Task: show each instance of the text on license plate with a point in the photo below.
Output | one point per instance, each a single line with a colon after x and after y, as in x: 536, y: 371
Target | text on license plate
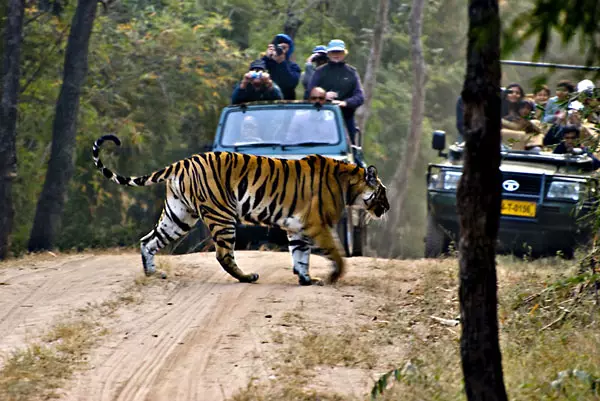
x: 518, y: 208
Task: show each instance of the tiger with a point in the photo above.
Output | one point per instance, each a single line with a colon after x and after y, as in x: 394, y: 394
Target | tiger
x: 305, y: 197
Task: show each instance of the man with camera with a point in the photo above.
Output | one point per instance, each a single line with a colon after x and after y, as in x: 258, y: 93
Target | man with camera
x: 284, y: 72
x: 342, y: 83
x: 256, y: 85
x: 314, y: 61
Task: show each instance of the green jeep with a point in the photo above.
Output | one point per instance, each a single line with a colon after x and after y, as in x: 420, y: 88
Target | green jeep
x: 291, y: 130
x: 547, y: 201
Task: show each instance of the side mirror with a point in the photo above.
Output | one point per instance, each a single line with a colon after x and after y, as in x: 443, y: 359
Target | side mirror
x: 438, y: 142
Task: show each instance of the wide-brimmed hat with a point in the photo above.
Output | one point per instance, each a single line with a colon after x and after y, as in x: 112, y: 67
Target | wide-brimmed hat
x: 336, y: 45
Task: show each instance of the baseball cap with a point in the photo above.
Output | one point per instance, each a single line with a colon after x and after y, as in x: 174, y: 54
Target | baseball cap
x: 258, y: 65
x: 336, y: 45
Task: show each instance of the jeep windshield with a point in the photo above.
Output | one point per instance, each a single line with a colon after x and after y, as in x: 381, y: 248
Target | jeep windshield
x: 286, y: 127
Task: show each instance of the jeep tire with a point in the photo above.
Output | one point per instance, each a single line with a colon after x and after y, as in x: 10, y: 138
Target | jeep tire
x: 436, y: 241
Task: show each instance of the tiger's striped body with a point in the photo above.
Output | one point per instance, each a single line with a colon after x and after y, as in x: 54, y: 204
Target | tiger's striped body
x: 304, y: 197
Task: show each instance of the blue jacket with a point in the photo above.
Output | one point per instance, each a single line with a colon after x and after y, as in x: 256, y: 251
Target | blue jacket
x: 251, y: 94
x: 552, y: 107
x: 287, y: 73
x: 343, y: 79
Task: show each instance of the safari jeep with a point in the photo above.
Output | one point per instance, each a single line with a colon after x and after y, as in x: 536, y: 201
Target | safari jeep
x: 291, y: 130
x: 547, y: 201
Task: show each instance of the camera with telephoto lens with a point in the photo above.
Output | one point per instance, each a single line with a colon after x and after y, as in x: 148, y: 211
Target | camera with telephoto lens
x: 256, y: 75
x: 320, y: 58
x: 278, y: 50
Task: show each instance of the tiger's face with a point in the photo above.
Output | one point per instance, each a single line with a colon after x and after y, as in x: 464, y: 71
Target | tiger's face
x: 374, y: 194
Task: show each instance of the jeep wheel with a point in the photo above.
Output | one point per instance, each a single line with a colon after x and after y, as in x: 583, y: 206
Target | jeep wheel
x: 436, y: 241
x: 345, y: 233
x: 360, y: 235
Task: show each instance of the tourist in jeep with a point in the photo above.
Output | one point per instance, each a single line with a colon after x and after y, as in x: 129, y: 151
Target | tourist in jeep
x: 510, y: 100
x: 342, y: 83
x: 541, y: 94
x: 256, y: 85
x: 314, y: 61
x: 284, y: 72
x: 570, y: 141
x: 558, y: 102
x: 519, y: 130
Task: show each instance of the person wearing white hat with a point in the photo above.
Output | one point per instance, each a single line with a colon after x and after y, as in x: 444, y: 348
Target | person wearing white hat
x: 585, y: 85
x: 341, y: 81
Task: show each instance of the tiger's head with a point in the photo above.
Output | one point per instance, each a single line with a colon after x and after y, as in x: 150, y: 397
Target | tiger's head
x: 369, y: 192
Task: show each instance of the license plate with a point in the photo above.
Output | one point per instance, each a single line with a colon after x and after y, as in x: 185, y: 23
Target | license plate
x: 518, y: 208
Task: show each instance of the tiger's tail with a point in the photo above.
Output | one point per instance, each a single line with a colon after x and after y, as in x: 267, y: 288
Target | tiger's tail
x: 154, y: 178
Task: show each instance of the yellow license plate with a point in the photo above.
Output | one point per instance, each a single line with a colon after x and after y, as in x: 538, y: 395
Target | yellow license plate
x: 518, y: 208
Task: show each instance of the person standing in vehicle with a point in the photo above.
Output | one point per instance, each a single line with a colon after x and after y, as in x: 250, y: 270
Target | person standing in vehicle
x: 342, y: 83
x: 558, y: 102
x: 256, y: 85
x: 284, y: 72
x: 316, y: 59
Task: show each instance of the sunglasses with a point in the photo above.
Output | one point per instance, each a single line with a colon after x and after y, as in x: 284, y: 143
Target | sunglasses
x: 317, y: 98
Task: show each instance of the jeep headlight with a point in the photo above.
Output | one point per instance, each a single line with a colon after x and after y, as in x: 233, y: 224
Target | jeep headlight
x: 565, y: 190
x: 449, y: 180
x: 434, y: 180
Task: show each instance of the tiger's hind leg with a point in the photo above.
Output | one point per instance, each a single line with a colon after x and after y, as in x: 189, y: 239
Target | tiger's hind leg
x: 175, y: 222
x: 300, y: 250
x: 325, y: 238
x: 223, y: 233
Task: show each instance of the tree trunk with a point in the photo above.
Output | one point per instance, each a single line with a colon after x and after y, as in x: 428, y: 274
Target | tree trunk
x: 413, y: 142
x: 8, y: 123
x: 370, y: 77
x: 478, y: 204
x: 292, y: 24
x: 48, y: 216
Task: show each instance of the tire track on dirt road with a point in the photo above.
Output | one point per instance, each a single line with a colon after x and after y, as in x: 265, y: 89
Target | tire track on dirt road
x: 32, y: 297
x: 154, y: 339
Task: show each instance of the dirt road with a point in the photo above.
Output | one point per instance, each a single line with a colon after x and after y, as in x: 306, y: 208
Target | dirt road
x: 197, y: 335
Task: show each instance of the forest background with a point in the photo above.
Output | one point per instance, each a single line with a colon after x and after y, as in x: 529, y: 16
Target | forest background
x: 161, y: 71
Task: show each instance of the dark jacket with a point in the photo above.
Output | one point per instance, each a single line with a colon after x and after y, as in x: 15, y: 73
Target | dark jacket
x: 343, y: 79
x: 287, y: 73
x: 251, y: 94
x: 556, y: 133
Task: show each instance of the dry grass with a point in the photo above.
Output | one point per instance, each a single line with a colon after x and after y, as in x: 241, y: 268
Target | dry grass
x: 37, y: 371
x: 533, y: 355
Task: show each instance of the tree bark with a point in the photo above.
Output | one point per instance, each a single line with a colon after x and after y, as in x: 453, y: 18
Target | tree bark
x: 8, y: 123
x: 49, y: 212
x: 478, y: 204
x: 370, y: 77
x: 413, y: 142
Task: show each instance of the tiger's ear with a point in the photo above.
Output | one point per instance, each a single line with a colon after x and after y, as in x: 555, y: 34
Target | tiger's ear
x: 371, y: 175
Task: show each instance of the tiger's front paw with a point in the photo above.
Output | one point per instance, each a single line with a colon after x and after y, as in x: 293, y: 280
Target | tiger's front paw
x: 249, y: 278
